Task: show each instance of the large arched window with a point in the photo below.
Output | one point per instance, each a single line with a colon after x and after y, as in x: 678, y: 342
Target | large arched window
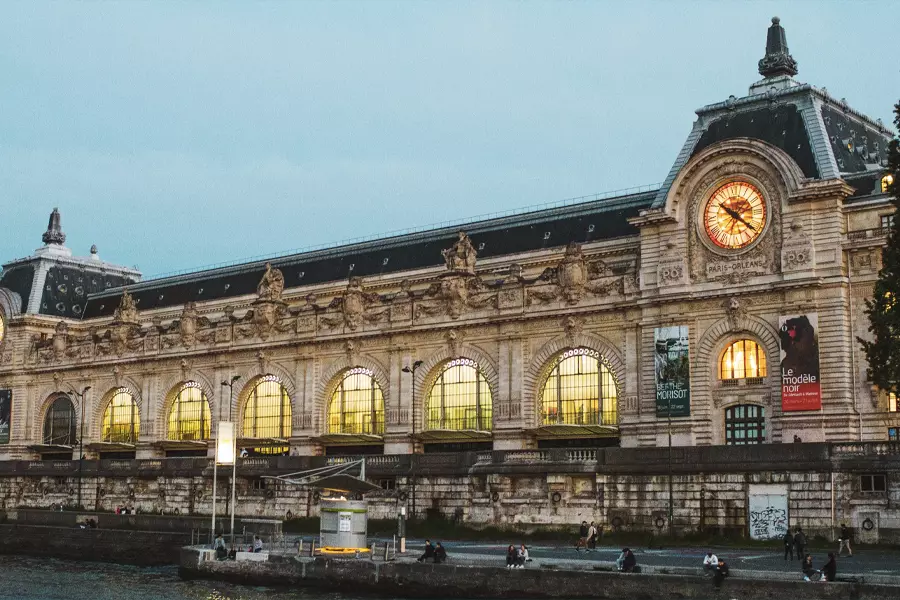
x: 357, y: 404
x: 742, y: 360
x: 460, y: 398
x: 189, y: 416
x: 59, y: 423
x: 267, y: 413
x: 745, y: 424
x: 121, y: 419
x: 2, y: 327
x: 580, y: 390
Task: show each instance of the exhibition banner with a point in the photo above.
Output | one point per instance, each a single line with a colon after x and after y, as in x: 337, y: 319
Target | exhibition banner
x: 673, y: 371
x: 5, y: 415
x: 800, y: 388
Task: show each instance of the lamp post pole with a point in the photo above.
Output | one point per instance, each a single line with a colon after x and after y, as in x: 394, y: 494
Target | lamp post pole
x: 412, y: 412
x: 81, y: 398
x: 230, y: 385
x: 671, y: 503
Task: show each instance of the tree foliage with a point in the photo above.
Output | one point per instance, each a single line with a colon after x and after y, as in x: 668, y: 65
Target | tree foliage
x: 883, y: 310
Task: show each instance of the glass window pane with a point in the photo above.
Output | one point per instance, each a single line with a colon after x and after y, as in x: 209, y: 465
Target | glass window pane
x: 745, y: 424
x: 59, y: 423
x: 460, y: 398
x: 121, y: 419
x: 743, y: 359
x: 357, y: 404
x: 189, y: 417
x: 267, y: 413
x: 580, y: 390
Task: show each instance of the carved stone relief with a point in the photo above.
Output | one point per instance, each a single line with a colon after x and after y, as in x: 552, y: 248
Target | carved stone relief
x: 356, y: 306
x: 574, y: 278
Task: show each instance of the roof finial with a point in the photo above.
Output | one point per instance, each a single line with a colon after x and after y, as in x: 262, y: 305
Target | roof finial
x: 778, y: 60
x: 54, y: 233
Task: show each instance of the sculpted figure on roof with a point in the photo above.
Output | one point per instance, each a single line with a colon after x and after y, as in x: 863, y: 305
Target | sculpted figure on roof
x: 127, y: 311
x: 272, y: 284
x: 461, y: 256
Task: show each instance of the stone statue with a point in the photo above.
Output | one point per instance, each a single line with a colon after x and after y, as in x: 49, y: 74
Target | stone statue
x: 572, y: 273
x: 272, y: 284
x: 54, y: 233
x: 127, y: 311
x: 461, y: 256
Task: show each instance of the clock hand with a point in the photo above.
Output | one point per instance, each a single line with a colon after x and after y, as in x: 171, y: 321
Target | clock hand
x: 736, y: 215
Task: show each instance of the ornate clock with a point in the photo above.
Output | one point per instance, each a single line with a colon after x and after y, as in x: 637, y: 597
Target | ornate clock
x: 734, y: 215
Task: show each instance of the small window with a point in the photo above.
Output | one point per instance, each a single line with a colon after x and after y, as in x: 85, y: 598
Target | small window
x: 887, y: 221
x: 886, y: 182
x: 387, y: 484
x: 892, y: 435
x: 872, y: 483
x: 745, y: 424
x: 258, y: 485
x: 892, y: 402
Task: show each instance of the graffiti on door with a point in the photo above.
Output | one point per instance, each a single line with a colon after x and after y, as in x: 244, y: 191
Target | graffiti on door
x: 768, y: 512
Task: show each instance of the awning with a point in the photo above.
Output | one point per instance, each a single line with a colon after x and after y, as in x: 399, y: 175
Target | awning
x: 347, y: 439
x: 347, y: 484
x: 110, y: 447
x: 563, y: 430
x: 182, y: 444
x: 453, y: 435
x: 261, y: 442
x: 48, y: 448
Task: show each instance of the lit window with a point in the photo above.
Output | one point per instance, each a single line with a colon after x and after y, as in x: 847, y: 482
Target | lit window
x: 189, y: 415
x: 460, y: 398
x: 267, y: 413
x: 892, y: 402
x: 2, y: 327
x: 886, y: 182
x: 580, y: 390
x: 745, y: 424
x: 743, y: 359
x: 121, y: 419
x: 892, y: 434
x: 887, y: 221
x: 872, y: 483
x: 59, y: 423
x: 357, y: 404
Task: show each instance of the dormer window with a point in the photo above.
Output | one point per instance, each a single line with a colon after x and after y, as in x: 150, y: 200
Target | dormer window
x: 886, y: 182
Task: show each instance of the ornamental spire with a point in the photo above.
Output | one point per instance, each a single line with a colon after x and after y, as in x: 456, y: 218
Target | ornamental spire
x: 54, y: 233
x: 778, y: 60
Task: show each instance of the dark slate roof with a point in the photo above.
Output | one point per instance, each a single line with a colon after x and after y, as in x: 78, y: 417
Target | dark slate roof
x: 66, y: 289
x: 856, y: 148
x: 550, y: 228
x: 19, y: 279
x: 781, y: 126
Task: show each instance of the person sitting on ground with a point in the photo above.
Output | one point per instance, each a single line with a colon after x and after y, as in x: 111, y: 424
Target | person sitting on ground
x: 582, y: 537
x: 221, y: 550
x: 440, y: 554
x: 257, y: 544
x: 92, y: 523
x: 429, y: 552
x: 710, y: 562
x: 829, y: 571
x: 630, y: 562
x: 621, y: 560
x: 720, y: 573
x: 511, y: 556
x: 807, y: 567
x: 523, y: 555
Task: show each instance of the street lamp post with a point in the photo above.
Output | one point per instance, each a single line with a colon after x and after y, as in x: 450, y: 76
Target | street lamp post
x: 671, y: 503
x: 80, y: 397
x: 230, y: 385
x: 412, y: 412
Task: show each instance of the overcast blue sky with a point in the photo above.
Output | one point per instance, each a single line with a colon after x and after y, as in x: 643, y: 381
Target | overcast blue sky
x: 177, y: 134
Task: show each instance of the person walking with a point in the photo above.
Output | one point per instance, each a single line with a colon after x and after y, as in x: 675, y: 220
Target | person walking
x: 592, y: 537
x: 582, y: 537
x: 800, y: 543
x: 844, y: 541
x: 788, y: 545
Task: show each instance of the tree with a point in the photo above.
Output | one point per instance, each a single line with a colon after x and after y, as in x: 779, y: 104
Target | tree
x: 883, y: 352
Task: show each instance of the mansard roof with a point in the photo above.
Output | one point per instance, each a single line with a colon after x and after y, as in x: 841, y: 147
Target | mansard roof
x: 588, y: 221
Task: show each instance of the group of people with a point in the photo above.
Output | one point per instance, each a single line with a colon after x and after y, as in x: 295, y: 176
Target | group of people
x: 587, y: 537
x: 516, y: 557
x: 796, y: 544
x: 124, y: 510
x: 222, y: 552
x: 627, y: 563
x: 436, y: 553
x: 715, y: 566
x: 828, y: 570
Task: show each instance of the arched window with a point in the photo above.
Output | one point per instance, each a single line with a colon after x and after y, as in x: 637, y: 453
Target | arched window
x: 745, y: 424
x: 743, y: 359
x: 189, y: 415
x: 460, y: 398
x: 357, y: 404
x: 886, y: 182
x: 580, y: 390
x: 2, y: 327
x: 121, y: 419
x: 59, y: 423
x: 267, y: 413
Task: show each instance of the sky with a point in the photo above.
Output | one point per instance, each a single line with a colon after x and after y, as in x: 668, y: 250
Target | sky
x: 175, y: 135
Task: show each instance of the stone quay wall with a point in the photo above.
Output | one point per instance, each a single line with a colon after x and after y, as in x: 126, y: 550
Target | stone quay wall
x: 415, y: 580
x: 621, y: 488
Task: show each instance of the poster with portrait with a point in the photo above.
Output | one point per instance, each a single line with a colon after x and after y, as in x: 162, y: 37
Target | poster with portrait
x: 5, y: 415
x: 672, y: 371
x: 799, y: 337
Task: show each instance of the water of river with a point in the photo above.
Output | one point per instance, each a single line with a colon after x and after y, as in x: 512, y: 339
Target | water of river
x: 23, y: 578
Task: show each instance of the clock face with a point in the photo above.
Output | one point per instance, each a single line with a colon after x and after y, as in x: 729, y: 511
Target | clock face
x: 735, y: 215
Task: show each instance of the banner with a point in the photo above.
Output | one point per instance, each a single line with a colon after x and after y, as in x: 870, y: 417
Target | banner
x: 673, y: 371
x: 800, y: 388
x: 5, y: 415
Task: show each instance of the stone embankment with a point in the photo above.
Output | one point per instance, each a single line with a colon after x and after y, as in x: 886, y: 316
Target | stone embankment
x: 411, y: 579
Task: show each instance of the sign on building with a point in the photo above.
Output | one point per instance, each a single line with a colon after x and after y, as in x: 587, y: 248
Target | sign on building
x: 800, y: 387
x: 345, y: 521
x: 5, y: 415
x: 767, y: 511
x: 673, y: 371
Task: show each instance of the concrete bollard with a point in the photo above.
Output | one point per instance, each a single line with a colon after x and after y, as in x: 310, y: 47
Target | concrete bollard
x: 373, y: 551
x: 300, y: 546
x: 312, y: 548
x: 386, y: 547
